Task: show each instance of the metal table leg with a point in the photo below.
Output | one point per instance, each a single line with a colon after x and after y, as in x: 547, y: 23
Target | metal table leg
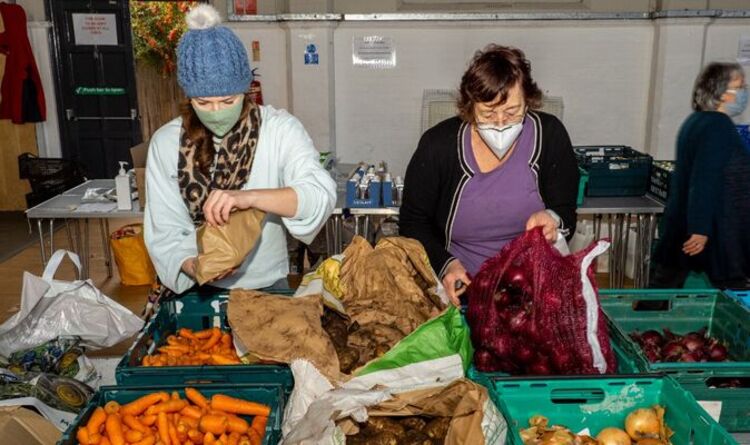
x: 625, y: 247
x: 650, y: 235
x: 104, y: 229
x: 41, y: 242
x: 612, y: 252
x: 86, y: 249
x: 356, y: 224
x: 51, y: 236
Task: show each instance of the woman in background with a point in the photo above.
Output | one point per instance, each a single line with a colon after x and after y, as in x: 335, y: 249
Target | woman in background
x: 706, y: 221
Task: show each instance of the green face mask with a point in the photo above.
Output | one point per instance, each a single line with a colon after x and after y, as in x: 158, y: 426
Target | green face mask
x: 220, y: 121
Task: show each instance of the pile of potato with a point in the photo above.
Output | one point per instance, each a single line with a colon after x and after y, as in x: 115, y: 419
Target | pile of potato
x: 413, y: 430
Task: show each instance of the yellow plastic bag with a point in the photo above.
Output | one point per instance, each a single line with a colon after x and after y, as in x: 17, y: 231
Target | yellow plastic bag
x: 131, y: 256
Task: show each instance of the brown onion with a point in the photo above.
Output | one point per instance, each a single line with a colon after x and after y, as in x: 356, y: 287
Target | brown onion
x: 643, y: 423
x: 613, y: 436
x: 649, y: 441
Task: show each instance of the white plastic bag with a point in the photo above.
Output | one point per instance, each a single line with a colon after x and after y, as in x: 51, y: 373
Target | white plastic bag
x: 51, y: 308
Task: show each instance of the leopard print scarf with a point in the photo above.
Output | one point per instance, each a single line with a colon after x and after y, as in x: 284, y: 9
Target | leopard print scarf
x: 231, y: 168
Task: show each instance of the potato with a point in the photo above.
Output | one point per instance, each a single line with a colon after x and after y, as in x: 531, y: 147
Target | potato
x: 347, y: 359
x: 416, y: 437
x: 385, y: 424
x: 413, y: 423
x: 438, y: 427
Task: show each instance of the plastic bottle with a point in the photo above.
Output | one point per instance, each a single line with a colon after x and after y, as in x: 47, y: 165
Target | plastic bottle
x: 122, y: 189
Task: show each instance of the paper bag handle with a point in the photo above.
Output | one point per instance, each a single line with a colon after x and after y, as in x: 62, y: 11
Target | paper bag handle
x: 56, y: 259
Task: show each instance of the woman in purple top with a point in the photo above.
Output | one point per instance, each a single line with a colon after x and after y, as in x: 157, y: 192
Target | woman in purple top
x: 480, y: 179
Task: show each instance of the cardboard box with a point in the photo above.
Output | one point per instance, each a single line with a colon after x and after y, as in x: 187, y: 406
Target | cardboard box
x: 23, y: 426
x: 139, y: 153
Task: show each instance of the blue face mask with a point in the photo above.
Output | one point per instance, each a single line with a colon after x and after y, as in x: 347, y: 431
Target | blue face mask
x: 740, y: 102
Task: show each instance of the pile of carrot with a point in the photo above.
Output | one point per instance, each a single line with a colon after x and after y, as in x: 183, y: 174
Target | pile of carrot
x: 161, y: 419
x: 188, y: 348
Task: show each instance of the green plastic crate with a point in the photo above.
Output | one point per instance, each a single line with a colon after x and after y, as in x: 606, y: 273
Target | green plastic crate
x: 196, y: 312
x: 582, y: 181
x: 683, y: 311
x: 272, y: 395
x: 600, y: 402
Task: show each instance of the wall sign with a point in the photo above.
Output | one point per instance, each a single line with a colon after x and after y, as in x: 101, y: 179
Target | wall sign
x: 95, y: 29
x: 99, y: 91
x: 311, y: 55
x: 373, y: 52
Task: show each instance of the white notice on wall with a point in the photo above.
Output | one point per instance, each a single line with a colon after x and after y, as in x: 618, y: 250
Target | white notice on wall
x: 373, y: 52
x: 743, y: 50
x: 95, y: 29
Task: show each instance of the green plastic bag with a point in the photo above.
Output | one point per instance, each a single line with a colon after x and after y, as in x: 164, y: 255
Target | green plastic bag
x: 445, y: 335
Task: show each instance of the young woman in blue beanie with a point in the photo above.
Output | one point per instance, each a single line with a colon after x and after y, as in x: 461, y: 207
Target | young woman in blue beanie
x: 223, y: 153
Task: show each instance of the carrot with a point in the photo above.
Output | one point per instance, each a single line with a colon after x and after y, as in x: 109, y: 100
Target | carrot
x: 259, y: 425
x: 163, y: 428
x: 133, y: 436
x: 191, y: 411
x: 149, y: 420
x: 83, y: 436
x: 189, y: 421
x: 196, y: 397
x: 113, y: 427
x: 188, y: 442
x: 212, y: 340
x: 213, y: 424
x: 173, y: 434
x: 97, y: 419
x: 148, y: 440
x: 219, y: 359
x: 175, y: 395
x: 95, y: 438
x: 196, y: 436
x: 112, y: 407
x: 236, y: 424
x: 234, y: 439
x: 204, y: 334
x: 105, y: 441
x: 141, y: 404
x: 187, y: 333
x: 255, y: 437
x: 226, y: 340
x: 134, y: 424
x: 223, y: 439
x: 209, y: 439
x: 246, y: 440
x: 238, y: 406
x: 171, y: 406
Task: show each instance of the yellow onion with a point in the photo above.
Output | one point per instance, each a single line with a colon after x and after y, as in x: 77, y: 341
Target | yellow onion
x: 649, y: 442
x: 613, y: 436
x: 557, y: 437
x: 643, y: 423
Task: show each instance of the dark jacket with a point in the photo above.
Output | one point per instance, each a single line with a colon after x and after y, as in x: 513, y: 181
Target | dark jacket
x: 709, y: 195
x: 438, y: 172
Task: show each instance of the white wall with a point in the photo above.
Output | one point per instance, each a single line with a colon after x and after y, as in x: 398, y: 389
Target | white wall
x: 600, y: 69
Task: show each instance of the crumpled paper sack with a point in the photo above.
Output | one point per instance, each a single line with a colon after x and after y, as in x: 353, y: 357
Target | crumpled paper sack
x: 221, y: 249
x: 319, y: 413
x: 389, y: 290
x: 290, y: 328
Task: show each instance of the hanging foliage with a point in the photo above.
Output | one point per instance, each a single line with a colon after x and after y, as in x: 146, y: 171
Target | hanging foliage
x: 157, y: 28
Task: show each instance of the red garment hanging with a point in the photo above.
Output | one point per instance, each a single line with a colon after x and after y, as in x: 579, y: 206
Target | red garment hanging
x: 22, y: 94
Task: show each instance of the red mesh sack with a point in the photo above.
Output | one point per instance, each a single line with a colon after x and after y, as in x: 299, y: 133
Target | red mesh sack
x: 533, y: 310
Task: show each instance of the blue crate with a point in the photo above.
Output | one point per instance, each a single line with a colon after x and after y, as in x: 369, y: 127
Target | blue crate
x: 743, y: 296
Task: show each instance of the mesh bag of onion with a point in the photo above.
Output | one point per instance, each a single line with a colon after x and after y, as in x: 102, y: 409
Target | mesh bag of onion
x: 533, y: 310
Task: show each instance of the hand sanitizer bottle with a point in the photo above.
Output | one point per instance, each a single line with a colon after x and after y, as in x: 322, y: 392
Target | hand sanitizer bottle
x: 122, y: 188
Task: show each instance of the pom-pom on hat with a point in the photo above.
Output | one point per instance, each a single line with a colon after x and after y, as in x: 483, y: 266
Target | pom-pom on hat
x: 211, y: 59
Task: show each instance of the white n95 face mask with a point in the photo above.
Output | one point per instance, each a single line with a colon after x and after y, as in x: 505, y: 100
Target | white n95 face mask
x: 499, y: 139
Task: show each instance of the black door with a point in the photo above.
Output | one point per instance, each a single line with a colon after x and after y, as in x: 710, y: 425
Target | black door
x: 95, y: 77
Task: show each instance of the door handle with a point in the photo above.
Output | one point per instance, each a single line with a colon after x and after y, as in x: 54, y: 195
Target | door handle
x: 71, y: 116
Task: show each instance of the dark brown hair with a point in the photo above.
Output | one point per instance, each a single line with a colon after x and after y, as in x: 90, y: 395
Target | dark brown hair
x: 201, y: 136
x: 494, y: 71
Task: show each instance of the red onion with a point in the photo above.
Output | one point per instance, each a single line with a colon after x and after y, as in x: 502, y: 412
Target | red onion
x: 518, y: 320
x: 501, y: 298
x: 515, y: 276
x: 501, y: 346
x: 524, y: 353
x: 689, y: 357
x: 717, y: 353
x: 561, y: 360
x: 484, y: 360
x: 652, y: 338
x: 672, y: 349
x: 693, y: 343
x: 540, y: 367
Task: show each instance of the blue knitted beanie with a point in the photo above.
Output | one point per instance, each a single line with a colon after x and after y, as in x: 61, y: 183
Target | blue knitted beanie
x: 211, y: 60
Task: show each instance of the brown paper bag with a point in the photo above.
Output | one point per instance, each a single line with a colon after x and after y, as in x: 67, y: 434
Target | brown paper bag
x: 221, y: 249
x: 388, y: 291
x: 462, y: 400
x: 281, y: 329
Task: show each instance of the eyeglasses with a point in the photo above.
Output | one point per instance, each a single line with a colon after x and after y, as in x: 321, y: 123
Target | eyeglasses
x: 502, y: 118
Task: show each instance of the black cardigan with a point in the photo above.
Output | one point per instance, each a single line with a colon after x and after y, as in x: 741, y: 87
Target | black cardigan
x: 438, y: 172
